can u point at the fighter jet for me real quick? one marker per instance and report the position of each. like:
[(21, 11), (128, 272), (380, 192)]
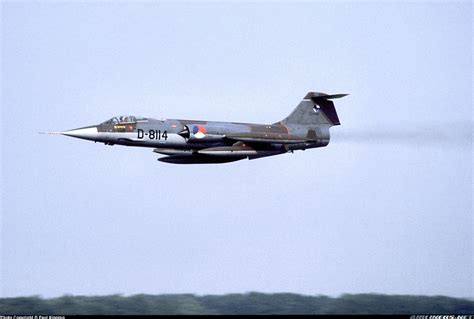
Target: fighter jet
[(206, 142)]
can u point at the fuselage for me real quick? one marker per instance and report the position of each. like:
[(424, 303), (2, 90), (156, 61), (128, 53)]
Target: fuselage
[(189, 134), (198, 142)]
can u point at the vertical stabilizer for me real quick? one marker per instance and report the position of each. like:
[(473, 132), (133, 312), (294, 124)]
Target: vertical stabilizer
[(316, 108)]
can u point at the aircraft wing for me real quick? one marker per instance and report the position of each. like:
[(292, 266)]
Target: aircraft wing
[(272, 138), (214, 155)]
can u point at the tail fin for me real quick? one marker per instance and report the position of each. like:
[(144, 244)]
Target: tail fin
[(316, 108)]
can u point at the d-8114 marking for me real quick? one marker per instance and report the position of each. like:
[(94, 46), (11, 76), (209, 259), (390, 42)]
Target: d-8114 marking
[(152, 134)]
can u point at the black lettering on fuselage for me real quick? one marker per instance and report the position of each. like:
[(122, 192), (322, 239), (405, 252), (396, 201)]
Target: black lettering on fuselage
[(152, 134)]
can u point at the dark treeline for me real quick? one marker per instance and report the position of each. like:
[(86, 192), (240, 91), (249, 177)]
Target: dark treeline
[(250, 303)]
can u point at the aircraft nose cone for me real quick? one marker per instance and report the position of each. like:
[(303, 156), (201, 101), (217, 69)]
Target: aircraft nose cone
[(87, 133)]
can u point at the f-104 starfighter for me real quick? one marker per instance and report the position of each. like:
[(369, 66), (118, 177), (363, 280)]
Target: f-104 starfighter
[(207, 142)]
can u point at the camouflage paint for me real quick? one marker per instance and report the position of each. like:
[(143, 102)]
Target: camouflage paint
[(208, 142)]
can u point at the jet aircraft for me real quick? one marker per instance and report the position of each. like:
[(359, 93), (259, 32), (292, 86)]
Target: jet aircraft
[(206, 142)]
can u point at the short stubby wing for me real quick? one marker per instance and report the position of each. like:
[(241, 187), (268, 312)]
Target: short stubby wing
[(268, 138)]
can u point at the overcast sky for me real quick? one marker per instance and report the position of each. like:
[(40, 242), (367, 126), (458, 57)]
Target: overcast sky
[(385, 208)]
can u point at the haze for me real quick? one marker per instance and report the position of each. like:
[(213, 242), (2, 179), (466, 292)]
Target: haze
[(372, 212)]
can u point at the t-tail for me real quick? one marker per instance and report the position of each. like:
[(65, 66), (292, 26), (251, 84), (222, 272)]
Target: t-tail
[(315, 109)]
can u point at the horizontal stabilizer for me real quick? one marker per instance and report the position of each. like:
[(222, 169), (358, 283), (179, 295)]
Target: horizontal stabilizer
[(315, 95)]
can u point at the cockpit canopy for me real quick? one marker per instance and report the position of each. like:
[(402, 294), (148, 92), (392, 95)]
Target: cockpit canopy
[(129, 119)]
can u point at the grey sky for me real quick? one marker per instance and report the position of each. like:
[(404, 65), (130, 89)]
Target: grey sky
[(371, 212)]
